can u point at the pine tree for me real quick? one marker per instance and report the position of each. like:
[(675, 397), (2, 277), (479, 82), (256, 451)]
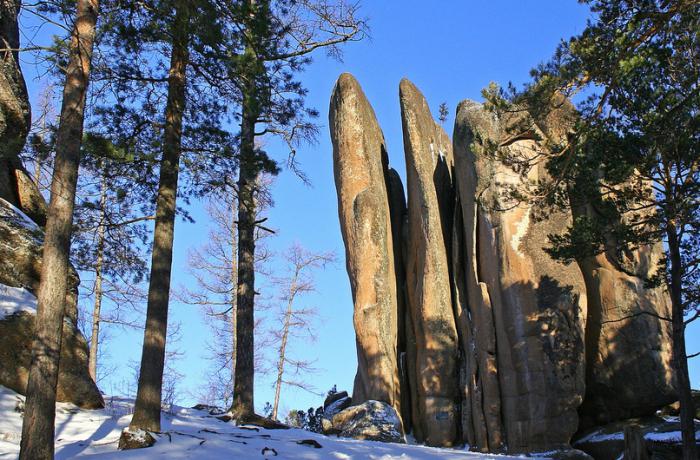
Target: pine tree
[(40, 407), (149, 395), (277, 38), (109, 233)]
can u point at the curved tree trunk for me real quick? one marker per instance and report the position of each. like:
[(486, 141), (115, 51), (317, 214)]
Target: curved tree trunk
[(148, 397), (40, 407)]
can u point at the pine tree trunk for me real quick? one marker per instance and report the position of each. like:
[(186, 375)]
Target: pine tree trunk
[(243, 386), (40, 408), (680, 360), (148, 396), (283, 346), (243, 391), (96, 311), (234, 284)]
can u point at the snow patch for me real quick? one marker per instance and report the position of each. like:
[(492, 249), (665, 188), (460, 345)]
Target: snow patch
[(193, 434), (25, 220), (672, 436), (15, 300)]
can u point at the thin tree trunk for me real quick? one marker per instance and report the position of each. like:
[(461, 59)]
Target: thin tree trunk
[(243, 395), (234, 276), (37, 171), (40, 408), (148, 397), (680, 359), (283, 345), (37, 158), (95, 337)]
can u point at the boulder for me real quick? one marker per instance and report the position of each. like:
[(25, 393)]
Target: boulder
[(674, 409), (20, 253), (371, 420), (16, 185), (429, 163), (329, 410), (21, 241), (360, 166), (333, 397), (136, 439), (526, 312)]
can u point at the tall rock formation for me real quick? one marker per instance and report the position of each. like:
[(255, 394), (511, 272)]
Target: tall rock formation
[(429, 163), (406, 342), (629, 372), (360, 166), (464, 323), (16, 186), (527, 375)]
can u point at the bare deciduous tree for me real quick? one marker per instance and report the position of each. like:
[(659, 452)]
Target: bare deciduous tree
[(213, 266), (296, 321)]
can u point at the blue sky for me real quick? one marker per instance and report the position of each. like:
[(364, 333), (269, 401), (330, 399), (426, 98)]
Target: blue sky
[(450, 50)]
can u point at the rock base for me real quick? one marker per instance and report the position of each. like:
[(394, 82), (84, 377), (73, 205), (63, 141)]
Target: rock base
[(371, 420), (137, 439)]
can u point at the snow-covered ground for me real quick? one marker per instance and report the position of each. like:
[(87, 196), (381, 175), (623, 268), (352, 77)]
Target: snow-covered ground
[(14, 300), (193, 434)]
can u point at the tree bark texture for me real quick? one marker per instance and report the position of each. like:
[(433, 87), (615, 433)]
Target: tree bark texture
[(40, 408), (680, 360), (148, 397), (243, 396), (243, 386)]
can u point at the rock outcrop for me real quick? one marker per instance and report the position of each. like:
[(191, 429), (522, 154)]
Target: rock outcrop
[(661, 438), (629, 371), (535, 305), (495, 344), (406, 342), (628, 347), (429, 166), (16, 186), (360, 165), (20, 253)]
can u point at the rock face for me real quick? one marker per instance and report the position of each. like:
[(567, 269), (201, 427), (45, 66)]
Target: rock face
[(406, 342), (16, 186), (360, 166), (628, 352), (20, 253), (372, 420), (524, 306), (429, 166), (629, 367)]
